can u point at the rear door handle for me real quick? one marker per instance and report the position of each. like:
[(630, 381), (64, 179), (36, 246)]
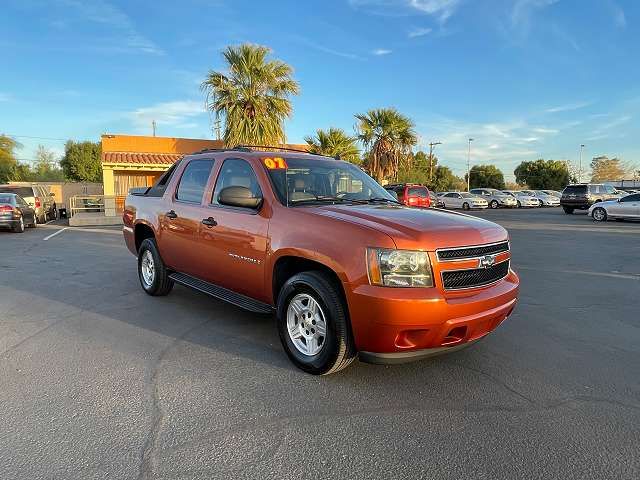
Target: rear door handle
[(171, 214), (209, 222)]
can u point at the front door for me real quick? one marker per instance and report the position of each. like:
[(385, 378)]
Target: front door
[(234, 240), (180, 223)]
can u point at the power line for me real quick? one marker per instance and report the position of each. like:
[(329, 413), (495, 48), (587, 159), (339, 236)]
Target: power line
[(36, 138)]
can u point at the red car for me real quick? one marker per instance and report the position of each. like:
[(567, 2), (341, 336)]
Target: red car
[(411, 194)]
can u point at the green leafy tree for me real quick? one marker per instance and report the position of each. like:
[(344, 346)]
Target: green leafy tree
[(543, 174), (81, 161), (47, 168), (604, 168), (415, 168), (8, 162), (253, 97), (334, 143), (444, 180), (486, 176), (387, 136)]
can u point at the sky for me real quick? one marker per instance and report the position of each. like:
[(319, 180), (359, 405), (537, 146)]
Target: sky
[(525, 79)]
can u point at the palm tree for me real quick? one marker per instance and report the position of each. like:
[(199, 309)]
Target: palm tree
[(334, 143), (388, 136), (253, 97)]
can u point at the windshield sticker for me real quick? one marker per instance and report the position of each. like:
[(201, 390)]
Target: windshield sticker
[(275, 163)]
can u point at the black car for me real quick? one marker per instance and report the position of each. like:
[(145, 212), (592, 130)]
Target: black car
[(15, 213), (582, 195)]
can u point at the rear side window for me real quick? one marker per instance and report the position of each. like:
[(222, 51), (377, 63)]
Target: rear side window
[(236, 172), (451, 195), (629, 198), (596, 188), (575, 189), (418, 192), (194, 180), (22, 191)]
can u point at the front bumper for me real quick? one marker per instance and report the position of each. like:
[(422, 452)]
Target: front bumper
[(410, 356), (401, 324)]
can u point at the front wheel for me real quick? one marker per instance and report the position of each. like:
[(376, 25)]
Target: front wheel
[(465, 206), (313, 324), (599, 214), (519, 204), (152, 272), (494, 204)]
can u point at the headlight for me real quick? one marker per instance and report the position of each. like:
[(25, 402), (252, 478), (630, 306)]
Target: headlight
[(399, 268)]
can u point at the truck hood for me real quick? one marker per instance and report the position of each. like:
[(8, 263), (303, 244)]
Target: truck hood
[(415, 228)]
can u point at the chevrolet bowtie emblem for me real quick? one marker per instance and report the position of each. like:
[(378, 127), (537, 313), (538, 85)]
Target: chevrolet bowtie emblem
[(487, 261)]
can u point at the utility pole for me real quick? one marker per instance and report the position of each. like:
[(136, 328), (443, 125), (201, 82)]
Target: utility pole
[(153, 126), (469, 166), (216, 126), (580, 164), (431, 145)]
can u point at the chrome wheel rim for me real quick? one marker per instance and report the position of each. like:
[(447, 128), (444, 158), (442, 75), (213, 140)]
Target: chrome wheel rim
[(598, 214), (306, 324), (147, 268)]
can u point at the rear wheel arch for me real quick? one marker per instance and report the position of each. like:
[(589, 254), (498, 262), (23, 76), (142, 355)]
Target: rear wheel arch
[(141, 232)]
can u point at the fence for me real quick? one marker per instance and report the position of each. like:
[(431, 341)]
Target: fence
[(108, 205)]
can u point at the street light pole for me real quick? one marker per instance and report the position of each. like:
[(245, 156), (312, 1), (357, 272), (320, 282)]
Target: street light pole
[(431, 145), (469, 166), (580, 164)]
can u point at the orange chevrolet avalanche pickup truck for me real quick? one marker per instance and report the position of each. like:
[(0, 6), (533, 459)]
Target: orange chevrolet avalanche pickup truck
[(347, 270)]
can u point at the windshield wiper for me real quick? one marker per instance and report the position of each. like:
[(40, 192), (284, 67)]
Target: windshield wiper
[(376, 200), (318, 199)]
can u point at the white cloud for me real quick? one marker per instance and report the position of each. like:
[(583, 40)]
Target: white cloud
[(321, 48), (618, 16), (104, 13), (381, 51), (523, 10), (567, 107), (175, 114), (419, 32), (441, 10)]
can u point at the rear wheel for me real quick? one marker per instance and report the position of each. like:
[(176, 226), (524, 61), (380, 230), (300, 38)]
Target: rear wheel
[(465, 206), (19, 227), (313, 324), (599, 214), (34, 222), (493, 204), (152, 272), (568, 210)]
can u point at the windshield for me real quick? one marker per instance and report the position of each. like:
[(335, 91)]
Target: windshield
[(318, 180)]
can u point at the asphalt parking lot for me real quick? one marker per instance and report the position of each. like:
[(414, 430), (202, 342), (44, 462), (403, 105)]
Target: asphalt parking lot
[(100, 380)]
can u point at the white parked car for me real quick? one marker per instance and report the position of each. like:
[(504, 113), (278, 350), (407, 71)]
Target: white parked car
[(495, 197), (522, 199), (463, 200), (625, 207), (547, 200), (554, 193)]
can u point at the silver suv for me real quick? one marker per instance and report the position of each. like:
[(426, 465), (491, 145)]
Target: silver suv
[(38, 197), (495, 198)]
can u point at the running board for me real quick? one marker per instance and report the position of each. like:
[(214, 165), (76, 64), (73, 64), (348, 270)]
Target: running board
[(222, 293)]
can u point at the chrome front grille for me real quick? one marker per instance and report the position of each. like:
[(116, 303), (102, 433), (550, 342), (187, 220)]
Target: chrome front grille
[(476, 277), (464, 253)]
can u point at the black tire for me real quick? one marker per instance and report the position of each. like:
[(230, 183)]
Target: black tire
[(568, 210), (465, 206), (519, 204), (34, 223), (602, 214), (494, 204), (338, 349), (161, 284), (19, 228)]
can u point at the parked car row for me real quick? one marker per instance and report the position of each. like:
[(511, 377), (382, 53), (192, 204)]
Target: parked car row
[(16, 213), (37, 197), (602, 202)]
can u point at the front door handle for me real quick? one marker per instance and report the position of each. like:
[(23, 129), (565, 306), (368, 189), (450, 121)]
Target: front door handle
[(171, 214), (209, 222)]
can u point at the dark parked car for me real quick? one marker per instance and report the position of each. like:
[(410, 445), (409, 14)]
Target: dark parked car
[(38, 197), (582, 195), (15, 213), (411, 194)]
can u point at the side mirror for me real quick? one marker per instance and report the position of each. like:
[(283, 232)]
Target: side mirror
[(239, 197)]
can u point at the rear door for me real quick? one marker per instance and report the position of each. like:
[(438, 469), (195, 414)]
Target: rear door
[(180, 222), (629, 206), (234, 248)]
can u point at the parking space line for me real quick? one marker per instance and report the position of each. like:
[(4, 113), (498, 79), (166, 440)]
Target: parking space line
[(54, 234)]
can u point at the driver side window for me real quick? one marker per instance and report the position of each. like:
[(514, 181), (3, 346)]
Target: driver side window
[(236, 172)]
